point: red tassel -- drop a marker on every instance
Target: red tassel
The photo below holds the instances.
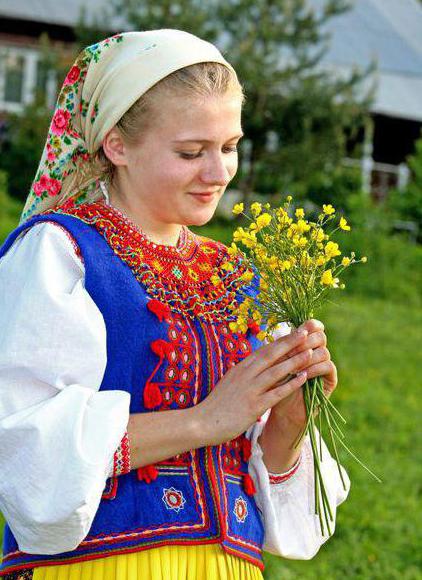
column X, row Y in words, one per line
column 152, row 395
column 159, row 347
column 148, row 473
column 253, row 326
column 248, row 484
column 246, row 448
column 161, row 310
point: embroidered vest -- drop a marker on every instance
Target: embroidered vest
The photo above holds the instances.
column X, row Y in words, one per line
column 168, row 344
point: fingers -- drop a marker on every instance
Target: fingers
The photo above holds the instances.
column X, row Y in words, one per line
column 292, row 365
column 326, row 369
column 275, row 395
column 314, row 340
column 312, row 325
column 270, row 354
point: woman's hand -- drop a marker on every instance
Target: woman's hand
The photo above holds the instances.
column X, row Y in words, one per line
column 254, row 385
column 291, row 409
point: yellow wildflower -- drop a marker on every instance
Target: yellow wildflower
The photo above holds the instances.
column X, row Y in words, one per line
column 256, row 209
column 267, row 205
column 343, row 224
column 289, row 198
column 238, row 208
column 261, row 335
column 328, row 280
column 233, row 250
column 318, row 235
column 227, row 266
column 320, row 261
column 263, row 220
column 299, row 213
column 302, row 226
column 328, row 209
column 331, row 250
column 364, row 259
column 247, row 276
column 257, row 316
column 305, row 259
column 286, row 265
column 345, row 261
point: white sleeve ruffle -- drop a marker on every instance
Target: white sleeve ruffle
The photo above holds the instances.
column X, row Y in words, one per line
column 292, row 530
column 58, row 432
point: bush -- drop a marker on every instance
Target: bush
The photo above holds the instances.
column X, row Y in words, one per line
column 407, row 204
column 10, row 209
column 21, row 147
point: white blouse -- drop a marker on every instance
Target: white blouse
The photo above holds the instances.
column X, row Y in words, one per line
column 59, row 433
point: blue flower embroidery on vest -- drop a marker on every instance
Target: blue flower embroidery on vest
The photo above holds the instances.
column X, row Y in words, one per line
column 173, row 499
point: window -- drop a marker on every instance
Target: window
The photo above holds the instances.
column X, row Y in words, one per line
column 14, row 66
column 23, row 73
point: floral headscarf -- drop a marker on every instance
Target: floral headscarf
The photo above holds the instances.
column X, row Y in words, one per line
column 106, row 79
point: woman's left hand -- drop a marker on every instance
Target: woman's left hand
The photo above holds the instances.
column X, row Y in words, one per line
column 292, row 408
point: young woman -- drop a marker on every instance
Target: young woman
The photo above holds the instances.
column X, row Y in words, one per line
column 110, row 317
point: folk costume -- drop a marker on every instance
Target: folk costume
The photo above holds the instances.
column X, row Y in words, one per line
column 98, row 323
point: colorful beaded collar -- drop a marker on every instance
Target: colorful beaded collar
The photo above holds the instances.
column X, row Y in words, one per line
column 182, row 276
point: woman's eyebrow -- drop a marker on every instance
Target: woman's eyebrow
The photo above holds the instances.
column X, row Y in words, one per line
column 204, row 140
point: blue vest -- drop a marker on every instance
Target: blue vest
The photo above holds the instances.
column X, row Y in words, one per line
column 168, row 344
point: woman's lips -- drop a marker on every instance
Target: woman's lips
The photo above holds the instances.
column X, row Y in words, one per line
column 203, row 196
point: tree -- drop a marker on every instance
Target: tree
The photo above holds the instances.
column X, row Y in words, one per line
column 296, row 114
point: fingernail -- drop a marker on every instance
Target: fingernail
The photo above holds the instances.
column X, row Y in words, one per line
column 302, row 375
column 302, row 332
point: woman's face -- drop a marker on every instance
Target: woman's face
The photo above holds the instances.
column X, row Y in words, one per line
column 181, row 168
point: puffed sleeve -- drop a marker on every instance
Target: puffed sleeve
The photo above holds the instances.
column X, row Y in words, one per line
column 58, row 432
column 292, row 530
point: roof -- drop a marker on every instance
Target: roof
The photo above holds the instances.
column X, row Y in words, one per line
column 389, row 32
column 59, row 12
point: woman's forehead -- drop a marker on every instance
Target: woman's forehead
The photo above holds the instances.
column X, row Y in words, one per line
column 193, row 121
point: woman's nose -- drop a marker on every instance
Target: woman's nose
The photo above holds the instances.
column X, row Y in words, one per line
column 216, row 171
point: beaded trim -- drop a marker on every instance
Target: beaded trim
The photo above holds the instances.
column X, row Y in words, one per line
column 177, row 275
column 121, row 463
column 281, row 477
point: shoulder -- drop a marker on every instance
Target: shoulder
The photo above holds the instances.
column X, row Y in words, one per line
column 42, row 246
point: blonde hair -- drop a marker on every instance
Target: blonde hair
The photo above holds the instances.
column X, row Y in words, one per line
column 200, row 80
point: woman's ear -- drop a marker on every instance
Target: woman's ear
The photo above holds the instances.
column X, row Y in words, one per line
column 114, row 148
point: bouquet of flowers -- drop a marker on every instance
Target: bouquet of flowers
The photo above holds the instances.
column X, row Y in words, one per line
column 298, row 266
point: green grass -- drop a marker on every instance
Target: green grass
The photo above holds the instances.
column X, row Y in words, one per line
column 375, row 347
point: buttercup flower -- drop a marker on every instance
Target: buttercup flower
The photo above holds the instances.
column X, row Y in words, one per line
column 328, row 209
column 238, row 208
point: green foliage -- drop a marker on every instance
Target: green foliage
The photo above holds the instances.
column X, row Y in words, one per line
column 21, row 150
column 10, row 210
column 305, row 109
column 407, row 204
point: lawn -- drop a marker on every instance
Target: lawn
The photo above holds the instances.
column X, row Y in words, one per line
column 375, row 347
column 375, row 344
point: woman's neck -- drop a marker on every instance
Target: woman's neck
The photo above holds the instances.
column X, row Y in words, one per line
column 163, row 234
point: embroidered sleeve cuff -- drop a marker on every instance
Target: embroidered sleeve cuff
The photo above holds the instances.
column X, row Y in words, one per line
column 121, row 460
column 281, row 477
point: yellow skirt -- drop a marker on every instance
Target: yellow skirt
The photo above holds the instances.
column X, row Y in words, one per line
column 196, row 562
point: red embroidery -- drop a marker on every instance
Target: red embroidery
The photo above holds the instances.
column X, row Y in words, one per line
column 177, row 276
column 280, row 477
column 121, row 463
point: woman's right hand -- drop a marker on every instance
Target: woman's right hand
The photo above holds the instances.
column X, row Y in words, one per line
column 251, row 387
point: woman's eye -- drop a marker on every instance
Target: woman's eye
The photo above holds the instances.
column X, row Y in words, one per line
column 195, row 155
